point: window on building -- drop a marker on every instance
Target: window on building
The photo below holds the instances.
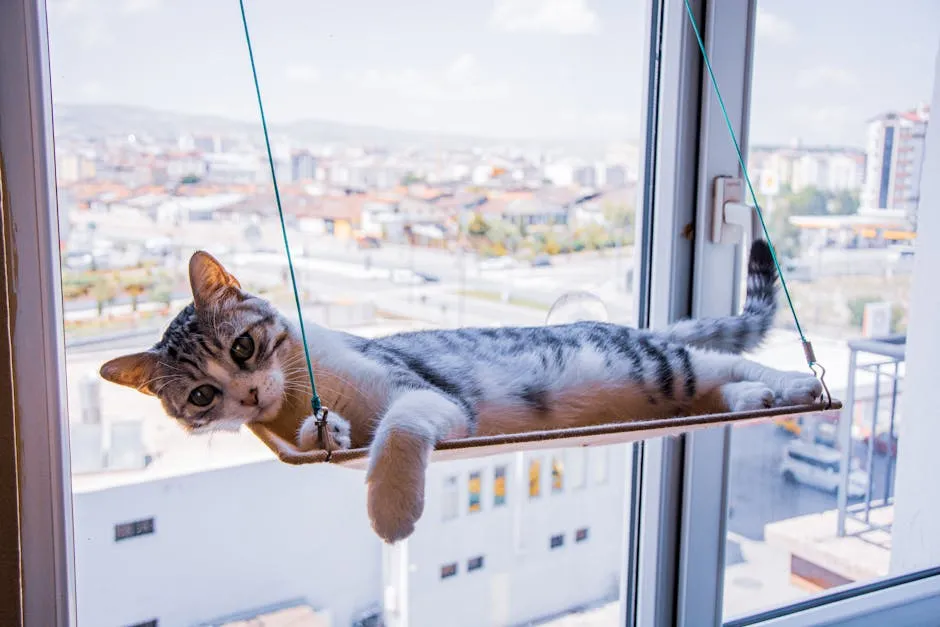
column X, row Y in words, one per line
column 133, row 529
column 558, row 474
column 499, row 486
column 600, row 464
column 581, row 534
column 448, row 570
column 575, row 465
column 475, row 485
column 556, row 541
column 535, row 478
column 449, row 498
column 475, row 563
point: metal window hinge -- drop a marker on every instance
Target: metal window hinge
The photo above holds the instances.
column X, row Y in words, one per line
column 732, row 219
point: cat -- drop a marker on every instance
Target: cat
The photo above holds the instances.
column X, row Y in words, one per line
column 230, row 358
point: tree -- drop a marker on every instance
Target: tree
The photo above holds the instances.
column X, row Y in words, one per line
column 845, row 203
column 618, row 215
column 135, row 286
column 478, row 226
column 75, row 286
column 809, row 201
column 104, row 291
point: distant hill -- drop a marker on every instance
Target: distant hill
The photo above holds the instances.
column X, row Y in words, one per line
column 115, row 120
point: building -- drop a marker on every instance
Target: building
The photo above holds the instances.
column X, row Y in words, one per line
column 895, row 154
column 303, row 167
column 526, row 535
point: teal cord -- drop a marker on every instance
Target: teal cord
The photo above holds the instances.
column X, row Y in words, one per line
column 315, row 398
column 760, row 214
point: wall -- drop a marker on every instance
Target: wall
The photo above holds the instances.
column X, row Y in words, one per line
column 915, row 543
column 227, row 541
column 522, row 578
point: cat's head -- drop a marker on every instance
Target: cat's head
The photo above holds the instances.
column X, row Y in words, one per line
column 224, row 361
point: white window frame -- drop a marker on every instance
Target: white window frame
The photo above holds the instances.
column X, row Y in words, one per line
column 675, row 522
column 728, row 31
column 48, row 579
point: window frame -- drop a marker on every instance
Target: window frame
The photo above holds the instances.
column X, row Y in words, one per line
column 729, row 32
column 685, row 146
column 35, row 314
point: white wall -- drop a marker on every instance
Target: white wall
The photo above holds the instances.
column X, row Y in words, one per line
column 227, row 541
column 243, row 538
column 917, row 495
column 522, row 578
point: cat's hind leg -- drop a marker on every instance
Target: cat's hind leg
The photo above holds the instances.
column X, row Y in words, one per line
column 412, row 425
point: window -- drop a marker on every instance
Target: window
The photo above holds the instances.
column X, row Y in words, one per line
column 599, row 463
column 475, row 485
column 825, row 504
column 581, row 535
column 535, row 478
column 575, row 463
column 449, row 498
column 448, row 570
column 556, row 541
column 133, row 529
column 499, row 486
column 558, row 474
column 475, row 563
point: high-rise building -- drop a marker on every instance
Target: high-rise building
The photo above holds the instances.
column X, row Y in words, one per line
column 895, row 159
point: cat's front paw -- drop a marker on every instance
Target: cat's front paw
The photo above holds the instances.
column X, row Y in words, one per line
column 308, row 438
column 395, row 481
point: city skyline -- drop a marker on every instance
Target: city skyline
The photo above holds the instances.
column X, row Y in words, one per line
column 514, row 69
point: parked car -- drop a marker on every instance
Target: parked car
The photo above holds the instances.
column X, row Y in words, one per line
column 541, row 261
column 819, row 466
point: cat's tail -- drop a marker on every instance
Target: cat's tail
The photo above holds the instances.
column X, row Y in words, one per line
column 744, row 332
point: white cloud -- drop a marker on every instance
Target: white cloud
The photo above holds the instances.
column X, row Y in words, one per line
column 826, row 76
column 302, row 74
column 565, row 17
column 461, row 80
column 774, row 28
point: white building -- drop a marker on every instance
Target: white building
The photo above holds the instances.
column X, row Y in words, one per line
column 512, row 538
column 523, row 535
column 895, row 159
column 810, row 170
column 845, row 172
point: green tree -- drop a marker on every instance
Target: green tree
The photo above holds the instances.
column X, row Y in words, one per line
column 808, row 201
column 478, row 226
column 104, row 290
column 618, row 215
column 845, row 203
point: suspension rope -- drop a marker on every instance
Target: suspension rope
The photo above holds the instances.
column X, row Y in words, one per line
column 807, row 345
column 315, row 401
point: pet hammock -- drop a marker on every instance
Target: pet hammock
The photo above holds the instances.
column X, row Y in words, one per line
column 280, row 436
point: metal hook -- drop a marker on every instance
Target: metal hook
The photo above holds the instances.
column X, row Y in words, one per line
column 821, row 375
column 322, row 434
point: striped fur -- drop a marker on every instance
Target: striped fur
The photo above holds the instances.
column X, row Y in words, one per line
column 403, row 393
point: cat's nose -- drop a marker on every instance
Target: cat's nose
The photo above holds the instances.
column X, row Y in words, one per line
column 252, row 399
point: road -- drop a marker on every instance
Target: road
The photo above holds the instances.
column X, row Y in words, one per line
column 757, row 492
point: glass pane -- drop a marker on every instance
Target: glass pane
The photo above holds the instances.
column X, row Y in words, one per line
column 440, row 165
column 837, row 152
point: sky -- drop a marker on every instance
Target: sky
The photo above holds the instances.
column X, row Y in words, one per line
column 497, row 68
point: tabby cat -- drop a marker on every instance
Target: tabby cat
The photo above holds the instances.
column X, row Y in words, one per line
column 230, row 358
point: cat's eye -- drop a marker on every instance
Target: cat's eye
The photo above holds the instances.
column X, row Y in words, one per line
column 203, row 395
column 242, row 348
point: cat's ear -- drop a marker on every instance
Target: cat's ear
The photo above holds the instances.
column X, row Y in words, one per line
column 135, row 371
column 209, row 280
